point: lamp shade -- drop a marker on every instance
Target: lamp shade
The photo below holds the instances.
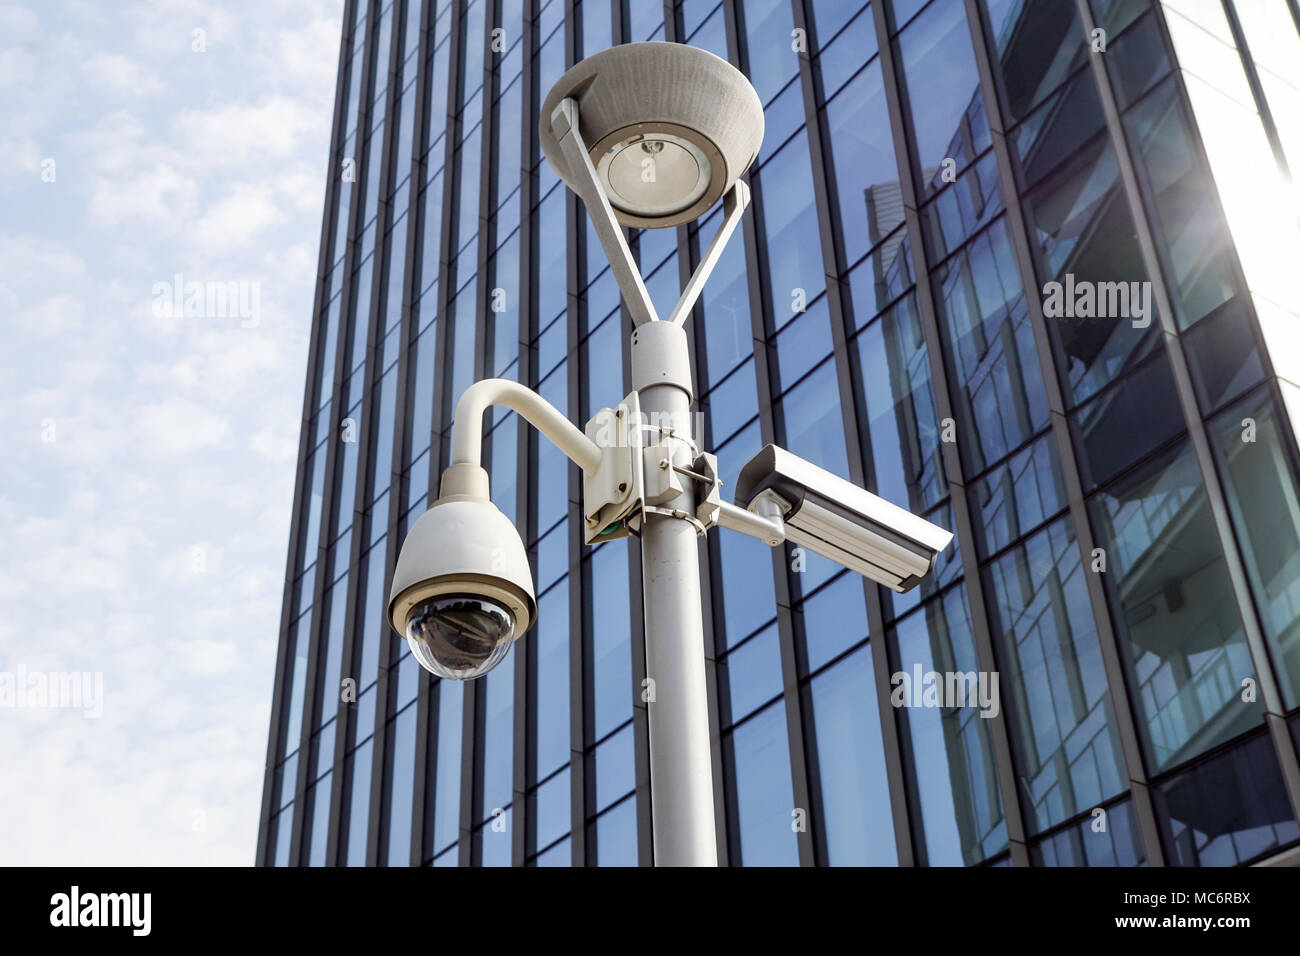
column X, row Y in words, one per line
column 669, row 128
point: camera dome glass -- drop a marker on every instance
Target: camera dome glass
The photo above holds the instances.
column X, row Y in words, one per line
column 459, row 636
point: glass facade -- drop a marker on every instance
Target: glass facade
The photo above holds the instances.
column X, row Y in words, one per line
column 1123, row 489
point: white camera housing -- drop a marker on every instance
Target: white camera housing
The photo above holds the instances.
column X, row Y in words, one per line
column 838, row 520
column 463, row 551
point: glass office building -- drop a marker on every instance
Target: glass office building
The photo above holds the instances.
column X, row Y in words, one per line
column 1123, row 490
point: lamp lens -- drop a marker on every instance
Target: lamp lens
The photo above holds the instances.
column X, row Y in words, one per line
column 459, row 636
column 654, row 174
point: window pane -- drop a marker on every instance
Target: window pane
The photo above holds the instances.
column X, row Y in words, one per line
column 318, row 798
column 1118, row 844
column 1260, row 482
column 1020, row 494
column 750, row 675
column 949, row 748
column 1039, row 43
column 1227, row 810
column 611, row 639
column 862, row 153
column 796, row 269
column 855, row 805
column 615, row 836
column 1110, row 443
column 358, row 815
column 834, row 619
column 551, row 697
column 442, row 815
column 1088, row 244
column 1060, row 717
column 1001, row 401
column 401, row 783
column 1188, row 218
column 904, row 430
column 937, row 62
column 759, row 753
column 1174, row 603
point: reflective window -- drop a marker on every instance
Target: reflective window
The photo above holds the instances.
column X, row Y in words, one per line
column 1110, row 840
column 748, row 592
column 937, row 63
column 733, row 403
column 1110, row 442
column 1227, row 810
column 1103, row 322
column 1260, row 484
column 282, row 828
column 318, row 798
column 796, row 270
column 834, row 619
column 357, row 818
column 881, row 278
column 1038, row 44
column 492, row 841
column 398, row 796
column 614, row 842
column 948, row 751
column 611, row 767
column 550, row 697
column 749, row 676
column 1001, row 402
column 611, row 639
column 1060, row 717
column 906, row 454
column 758, row 752
column 767, row 26
column 331, row 658
column 802, row 344
column 299, row 638
column 1188, row 219
column 1171, row 594
column 726, row 332
column 854, row 789
column 843, row 49
column 442, row 812
column 496, row 693
column 814, row 425
column 1018, row 495
column 1223, row 356
column 548, row 817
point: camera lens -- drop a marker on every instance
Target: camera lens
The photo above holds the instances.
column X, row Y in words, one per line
column 459, row 636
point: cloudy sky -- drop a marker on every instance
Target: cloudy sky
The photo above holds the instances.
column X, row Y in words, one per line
column 147, row 470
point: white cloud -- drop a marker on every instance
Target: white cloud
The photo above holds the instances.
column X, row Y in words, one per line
column 233, row 219
column 160, row 198
column 119, row 74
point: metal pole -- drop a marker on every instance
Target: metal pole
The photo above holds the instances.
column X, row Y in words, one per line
column 681, row 773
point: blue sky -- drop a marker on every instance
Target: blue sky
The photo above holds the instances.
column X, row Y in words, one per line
column 147, row 474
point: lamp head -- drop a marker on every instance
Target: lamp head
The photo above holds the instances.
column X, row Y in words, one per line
column 462, row 590
column 670, row 128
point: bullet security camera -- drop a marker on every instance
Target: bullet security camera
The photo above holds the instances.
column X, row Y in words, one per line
column 841, row 521
column 462, row 590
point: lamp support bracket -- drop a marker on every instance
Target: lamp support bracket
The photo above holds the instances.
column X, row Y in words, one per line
column 564, row 124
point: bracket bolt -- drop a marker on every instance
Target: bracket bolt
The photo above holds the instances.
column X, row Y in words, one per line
column 663, row 463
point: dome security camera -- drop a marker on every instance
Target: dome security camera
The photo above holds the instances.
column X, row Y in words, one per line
column 462, row 590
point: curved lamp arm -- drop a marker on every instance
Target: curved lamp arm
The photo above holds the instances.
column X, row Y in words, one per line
column 467, row 433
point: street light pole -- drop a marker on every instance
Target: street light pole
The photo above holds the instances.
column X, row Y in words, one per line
column 681, row 769
column 666, row 130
